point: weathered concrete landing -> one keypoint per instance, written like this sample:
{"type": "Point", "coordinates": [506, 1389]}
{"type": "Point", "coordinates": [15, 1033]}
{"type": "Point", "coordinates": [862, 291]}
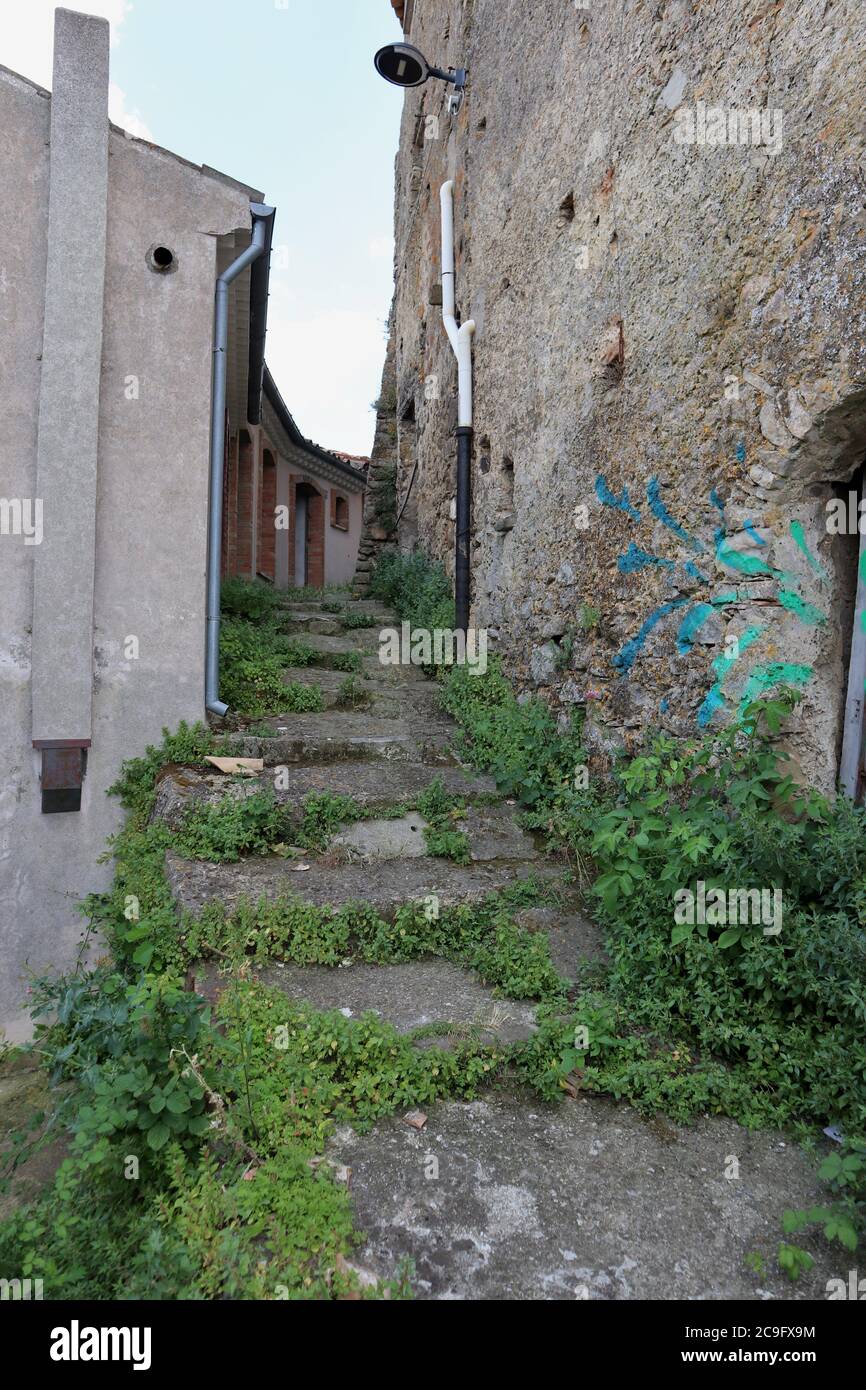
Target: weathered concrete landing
{"type": "Point", "coordinates": [504, 1198]}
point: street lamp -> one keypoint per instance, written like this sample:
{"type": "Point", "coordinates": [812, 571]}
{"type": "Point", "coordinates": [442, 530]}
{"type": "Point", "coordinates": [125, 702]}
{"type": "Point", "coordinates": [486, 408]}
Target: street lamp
{"type": "Point", "coordinates": [406, 66]}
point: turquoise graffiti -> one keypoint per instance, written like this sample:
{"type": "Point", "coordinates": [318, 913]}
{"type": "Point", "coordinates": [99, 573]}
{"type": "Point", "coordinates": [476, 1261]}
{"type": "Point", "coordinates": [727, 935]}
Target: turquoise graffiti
{"type": "Point", "coordinates": [714, 699]}
{"type": "Point", "coordinates": [698, 611]}
{"type": "Point", "coordinates": [800, 542]}
{"type": "Point", "coordinates": [774, 673]}
{"type": "Point", "coordinates": [692, 624]}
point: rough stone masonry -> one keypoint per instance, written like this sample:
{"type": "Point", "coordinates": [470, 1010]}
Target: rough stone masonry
{"type": "Point", "coordinates": [661, 236]}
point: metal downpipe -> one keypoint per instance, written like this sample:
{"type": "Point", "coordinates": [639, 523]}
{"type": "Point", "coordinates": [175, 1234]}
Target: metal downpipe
{"type": "Point", "coordinates": [262, 216]}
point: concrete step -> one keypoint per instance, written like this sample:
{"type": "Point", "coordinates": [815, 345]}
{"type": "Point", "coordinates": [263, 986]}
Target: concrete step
{"type": "Point", "coordinates": [349, 736]}
{"type": "Point", "coordinates": [411, 995]}
{"type": "Point", "coordinates": [322, 607]}
{"type": "Point", "coordinates": [386, 884]}
{"type": "Point", "coordinates": [326, 647]}
{"type": "Point", "coordinates": [586, 1201]}
{"type": "Point", "coordinates": [373, 785]}
{"type": "Point", "coordinates": [386, 696]}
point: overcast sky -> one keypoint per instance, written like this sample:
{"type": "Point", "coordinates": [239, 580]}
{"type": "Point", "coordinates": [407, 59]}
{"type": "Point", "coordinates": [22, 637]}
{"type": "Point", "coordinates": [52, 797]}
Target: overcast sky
{"type": "Point", "coordinates": [282, 95]}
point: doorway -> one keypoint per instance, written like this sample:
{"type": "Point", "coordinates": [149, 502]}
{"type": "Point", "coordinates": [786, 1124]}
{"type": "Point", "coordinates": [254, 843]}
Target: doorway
{"type": "Point", "coordinates": [309, 542]}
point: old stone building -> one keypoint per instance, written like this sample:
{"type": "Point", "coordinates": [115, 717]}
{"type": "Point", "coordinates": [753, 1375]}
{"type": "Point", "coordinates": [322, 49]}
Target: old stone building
{"type": "Point", "coordinates": [660, 232]}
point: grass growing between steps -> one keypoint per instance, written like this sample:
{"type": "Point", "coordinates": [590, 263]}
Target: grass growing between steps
{"type": "Point", "coordinates": [196, 1166]}
{"type": "Point", "coordinates": [224, 831]}
{"type": "Point", "coordinates": [711, 1017]}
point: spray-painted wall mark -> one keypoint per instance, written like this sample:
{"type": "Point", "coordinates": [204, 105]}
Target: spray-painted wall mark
{"type": "Point", "coordinates": [774, 673]}
{"type": "Point", "coordinates": [714, 699]}
{"type": "Point", "coordinates": [698, 613]}
{"type": "Point", "coordinates": [800, 539]}
{"type": "Point", "coordinates": [806, 612]}
{"type": "Point", "coordinates": [746, 564]}
{"type": "Point", "coordinates": [636, 559]}
{"type": "Point", "coordinates": [610, 499]}
{"type": "Point", "coordinates": [627, 654]}
{"type": "Point", "coordinates": [750, 531]}
{"type": "Point", "coordinates": [660, 511]}
{"type": "Point", "coordinates": [692, 624]}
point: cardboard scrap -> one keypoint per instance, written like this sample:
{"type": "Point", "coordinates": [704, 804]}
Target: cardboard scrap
{"type": "Point", "coordinates": [249, 766]}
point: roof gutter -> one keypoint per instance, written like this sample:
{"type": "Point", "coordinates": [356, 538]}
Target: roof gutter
{"type": "Point", "coordinates": [262, 231]}
{"type": "Point", "coordinates": [286, 419]}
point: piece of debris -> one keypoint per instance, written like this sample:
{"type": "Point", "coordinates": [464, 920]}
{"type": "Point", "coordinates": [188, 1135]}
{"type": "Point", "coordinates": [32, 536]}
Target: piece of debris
{"type": "Point", "coordinates": [248, 766]}
{"type": "Point", "coordinates": [415, 1118]}
{"type": "Point", "coordinates": [299, 868]}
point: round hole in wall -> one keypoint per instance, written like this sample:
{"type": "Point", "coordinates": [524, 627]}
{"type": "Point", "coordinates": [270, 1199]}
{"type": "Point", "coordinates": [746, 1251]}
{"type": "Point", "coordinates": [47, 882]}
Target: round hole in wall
{"type": "Point", "coordinates": [161, 259]}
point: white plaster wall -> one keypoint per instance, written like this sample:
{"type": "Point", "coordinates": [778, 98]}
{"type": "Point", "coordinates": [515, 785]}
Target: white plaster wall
{"type": "Point", "coordinates": [151, 509]}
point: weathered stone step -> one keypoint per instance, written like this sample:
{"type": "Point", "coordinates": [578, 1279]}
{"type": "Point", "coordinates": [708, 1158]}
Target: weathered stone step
{"type": "Point", "coordinates": [411, 995]}
{"type": "Point", "coordinates": [363, 639]}
{"type": "Point", "coordinates": [585, 1200]}
{"type": "Point", "coordinates": [373, 607]}
{"type": "Point", "coordinates": [327, 647]}
{"type": "Point", "coordinates": [373, 785]}
{"type": "Point", "coordinates": [386, 885]}
{"type": "Point", "coordinates": [340, 736]}
{"type": "Point", "coordinates": [386, 697]}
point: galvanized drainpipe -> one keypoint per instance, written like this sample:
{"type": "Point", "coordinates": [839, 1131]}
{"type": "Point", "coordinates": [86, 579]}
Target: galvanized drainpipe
{"type": "Point", "coordinates": [461, 341]}
{"type": "Point", "coordinates": [261, 215]}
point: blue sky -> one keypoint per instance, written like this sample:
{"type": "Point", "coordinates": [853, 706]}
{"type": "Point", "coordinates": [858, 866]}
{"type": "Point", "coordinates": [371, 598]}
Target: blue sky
{"type": "Point", "coordinates": [281, 94]}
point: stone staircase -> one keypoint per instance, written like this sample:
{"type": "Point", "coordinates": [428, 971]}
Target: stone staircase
{"type": "Point", "coordinates": [503, 1197]}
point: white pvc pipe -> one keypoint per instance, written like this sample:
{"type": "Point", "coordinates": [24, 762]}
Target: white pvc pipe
{"type": "Point", "coordinates": [459, 338]}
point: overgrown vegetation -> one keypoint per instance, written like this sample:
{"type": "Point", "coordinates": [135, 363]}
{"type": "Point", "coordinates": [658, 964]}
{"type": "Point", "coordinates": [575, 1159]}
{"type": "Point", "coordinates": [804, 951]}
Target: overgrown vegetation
{"type": "Point", "coordinates": [704, 1017]}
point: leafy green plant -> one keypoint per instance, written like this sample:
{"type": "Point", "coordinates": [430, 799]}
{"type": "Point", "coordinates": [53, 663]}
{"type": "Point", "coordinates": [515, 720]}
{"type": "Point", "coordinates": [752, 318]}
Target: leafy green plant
{"type": "Point", "coordinates": [351, 621]}
{"type": "Point", "coordinates": [442, 837]}
{"type": "Point", "coordinates": [346, 661]}
{"type": "Point", "coordinates": [793, 1261]}
{"type": "Point", "coordinates": [225, 830]}
{"type": "Point", "coordinates": [353, 694]}
{"type": "Point", "coordinates": [322, 814]}
{"type": "Point", "coordinates": [302, 699]}
{"type": "Point", "coordinates": [843, 1220]}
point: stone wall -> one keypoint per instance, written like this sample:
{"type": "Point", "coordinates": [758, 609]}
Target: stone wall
{"type": "Point", "coordinates": [380, 498]}
{"type": "Point", "coordinates": [661, 237]}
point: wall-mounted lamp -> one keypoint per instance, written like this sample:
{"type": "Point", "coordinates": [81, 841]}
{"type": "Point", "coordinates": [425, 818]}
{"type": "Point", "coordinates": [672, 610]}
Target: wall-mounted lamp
{"type": "Point", "coordinates": [406, 66]}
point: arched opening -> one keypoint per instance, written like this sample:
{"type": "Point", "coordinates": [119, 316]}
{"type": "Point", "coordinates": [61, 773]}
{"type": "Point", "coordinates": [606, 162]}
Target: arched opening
{"type": "Point", "coordinates": [309, 537]}
{"type": "Point", "coordinates": [245, 493]}
{"type": "Point", "coordinates": [267, 546]}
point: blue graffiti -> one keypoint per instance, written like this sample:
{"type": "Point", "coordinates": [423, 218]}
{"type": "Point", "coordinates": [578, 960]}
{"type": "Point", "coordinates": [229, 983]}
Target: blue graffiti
{"type": "Point", "coordinates": [750, 531]}
{"type": "Point", "coordinates": [610, 499]}
{"type": "Point", "coordinates": [636, 559]}
{"type": "Point", "coordinates": [628, 654]}
{"type": "Point", "coordinates": [691, 625]}
{"type": "Point", "coordinates": [660, 511]}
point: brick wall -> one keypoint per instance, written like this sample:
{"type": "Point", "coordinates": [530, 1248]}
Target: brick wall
{"type": "Point", "coordinates": [244, 510]}
{"type": "Point", "coordinates": [267, 548]}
